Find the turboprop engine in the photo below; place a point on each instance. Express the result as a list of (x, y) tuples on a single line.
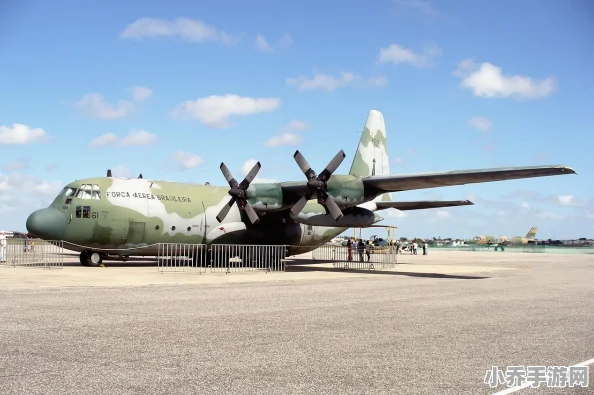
[(355, 217)]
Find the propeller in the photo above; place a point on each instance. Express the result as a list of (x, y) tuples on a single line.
[(238, 193), (318, 184)]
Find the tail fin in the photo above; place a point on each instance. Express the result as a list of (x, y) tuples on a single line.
[(371, 158), (532, 233)]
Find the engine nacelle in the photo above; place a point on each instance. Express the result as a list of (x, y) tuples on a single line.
[(265, 197), (355, 217)]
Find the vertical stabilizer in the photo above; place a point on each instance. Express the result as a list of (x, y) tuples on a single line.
[(371, 158), (532, 233)]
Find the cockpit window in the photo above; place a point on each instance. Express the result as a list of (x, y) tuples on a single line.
[(67, 191), (88, 191), (96, 194)]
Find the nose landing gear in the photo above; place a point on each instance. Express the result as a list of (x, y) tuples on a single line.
[(91, 258)]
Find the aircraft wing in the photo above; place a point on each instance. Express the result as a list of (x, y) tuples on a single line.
[(421, 205), (408, 182)]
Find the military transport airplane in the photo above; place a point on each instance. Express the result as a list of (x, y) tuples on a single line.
[(111, 217), (505, 240)]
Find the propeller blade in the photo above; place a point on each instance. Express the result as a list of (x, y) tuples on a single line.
[(250, 176), (232, 182), (332, 166), (225, 210), (251, 213), (334, 209), (297, 207), (303, 165), (108, 172)]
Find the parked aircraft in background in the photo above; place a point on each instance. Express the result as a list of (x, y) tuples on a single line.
[(112, 217), (506, 240)]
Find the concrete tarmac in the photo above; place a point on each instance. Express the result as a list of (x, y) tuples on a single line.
[(432, 325)]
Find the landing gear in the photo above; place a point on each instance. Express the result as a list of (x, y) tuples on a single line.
[(91, 258)]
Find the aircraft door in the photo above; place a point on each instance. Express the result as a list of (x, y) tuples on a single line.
[(118, 228), (136, 232), (307, 235)]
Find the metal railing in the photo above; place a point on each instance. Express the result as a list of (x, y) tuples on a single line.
[(178, 257), (227, 258), (32, 253), (344, 257)]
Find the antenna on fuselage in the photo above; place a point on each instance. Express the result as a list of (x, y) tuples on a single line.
[(108, 172)]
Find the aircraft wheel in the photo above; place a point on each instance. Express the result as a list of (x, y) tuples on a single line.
[(91, 258), (84, 258)]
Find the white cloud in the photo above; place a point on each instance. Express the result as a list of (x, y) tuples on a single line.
[(94, 105), (398, 161), (26, 184), (262, 44), (285, 41), (396, 54), (16, 165), (295, 125), (567, 200), (331, 83), (141, 93), (134, 138), (213, 111), (187, 160), (481, 123), (283, 139), (288, 137), (525, 205), (20, 134), (247, 166), (188, 29), (488, 80)]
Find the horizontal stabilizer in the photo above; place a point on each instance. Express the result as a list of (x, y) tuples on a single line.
[(408, 182), (423, 204)]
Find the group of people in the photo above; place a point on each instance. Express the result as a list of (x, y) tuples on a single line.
[(413, 248), (364, 248)]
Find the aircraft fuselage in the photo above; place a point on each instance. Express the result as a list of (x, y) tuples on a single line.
[(125, 217)]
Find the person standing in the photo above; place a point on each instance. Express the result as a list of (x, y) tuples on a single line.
[(350, 249), (425, 248), (3, 246), (361, 250)]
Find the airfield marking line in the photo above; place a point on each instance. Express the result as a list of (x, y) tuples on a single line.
[(527, 384)]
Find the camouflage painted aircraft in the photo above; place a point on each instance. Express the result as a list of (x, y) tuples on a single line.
[(505, 240), (112, 217)]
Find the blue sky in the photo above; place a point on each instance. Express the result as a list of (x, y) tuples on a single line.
[(171, 90)]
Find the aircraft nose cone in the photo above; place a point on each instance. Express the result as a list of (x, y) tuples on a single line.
[(47, 223)]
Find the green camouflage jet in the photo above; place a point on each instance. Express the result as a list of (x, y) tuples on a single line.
[(505, 240), (112, 217)]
